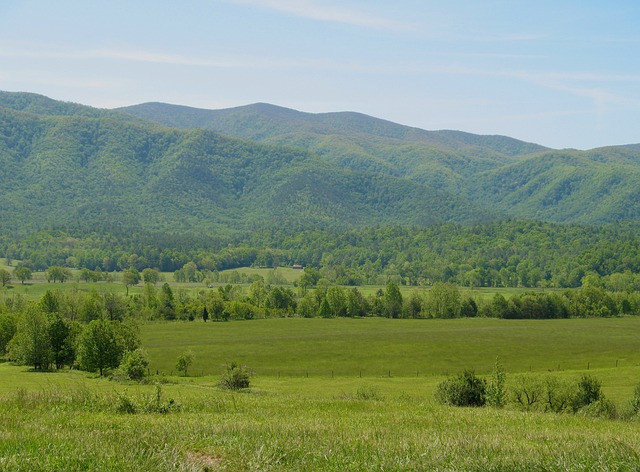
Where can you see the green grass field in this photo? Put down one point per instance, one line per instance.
(375, 346)
(298, 416)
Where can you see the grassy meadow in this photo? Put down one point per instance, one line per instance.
(322, 399)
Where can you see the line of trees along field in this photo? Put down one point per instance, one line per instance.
(96, 331)
(500, 254)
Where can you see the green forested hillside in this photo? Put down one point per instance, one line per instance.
(360, 197)
(597, 186)
(64, 165)
(519, 179)
(96, 170)
(440, 159)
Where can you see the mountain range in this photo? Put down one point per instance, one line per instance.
(164, 167)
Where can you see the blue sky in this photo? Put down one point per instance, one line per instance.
(558, 73)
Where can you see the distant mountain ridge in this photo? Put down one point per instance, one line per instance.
(514, 178)
(72, 166)
(173, 168)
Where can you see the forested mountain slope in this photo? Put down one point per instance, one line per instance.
(66, 165)
(519, 179)
(71, 166)
(597, 186)
(440, 159)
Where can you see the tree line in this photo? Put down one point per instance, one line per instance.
(499, 254)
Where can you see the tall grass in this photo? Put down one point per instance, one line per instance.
(298, 416)
(267, 429)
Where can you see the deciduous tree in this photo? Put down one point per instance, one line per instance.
(22, 273)
(31, 344)
(100, 346)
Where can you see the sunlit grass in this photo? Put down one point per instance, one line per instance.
(374, 347)
(296, 424)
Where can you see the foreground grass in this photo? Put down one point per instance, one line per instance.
(357, 425)
(298, 416)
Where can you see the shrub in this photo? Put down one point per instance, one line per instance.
(125, 404)
(601, 408)
(368, 393)
(235, 378)
(134, 365)
(154, 403)
(634, 403)
(559, 394)
(496, 395)
(527, 392)
(465, 389)
(589, 391)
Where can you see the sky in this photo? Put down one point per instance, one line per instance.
(561, 73)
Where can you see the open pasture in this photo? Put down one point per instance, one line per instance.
(288, 421)
(377, 347)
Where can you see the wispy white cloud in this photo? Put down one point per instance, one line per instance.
(324, 11)
(39, 52)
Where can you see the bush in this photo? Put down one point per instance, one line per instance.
(559, 394)
(134, 365)
(465, 389)
(527, 392)
(154, 403)
(634, 403)
(184, 361)
(496, 395)
(235, 378)
(602, 408)
(125, 404)
(368, 393)
(589, 391)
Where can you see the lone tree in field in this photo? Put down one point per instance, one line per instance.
(184, 362)
(5, 277)
(130, 277)
(22, 273)
(57, 273)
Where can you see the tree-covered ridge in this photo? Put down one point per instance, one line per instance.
(103, 172)
(594, 186)
(522, 180)
(440, 159)
(506, 254)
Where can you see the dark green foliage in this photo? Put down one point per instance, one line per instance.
(5, 277)
(465, 389)
(634, 403)
(22, 273)
(7, 330)
(62, 348)
(166, 303)
(589, 391)
(236, 377)
(58, 274)
(392, 300)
